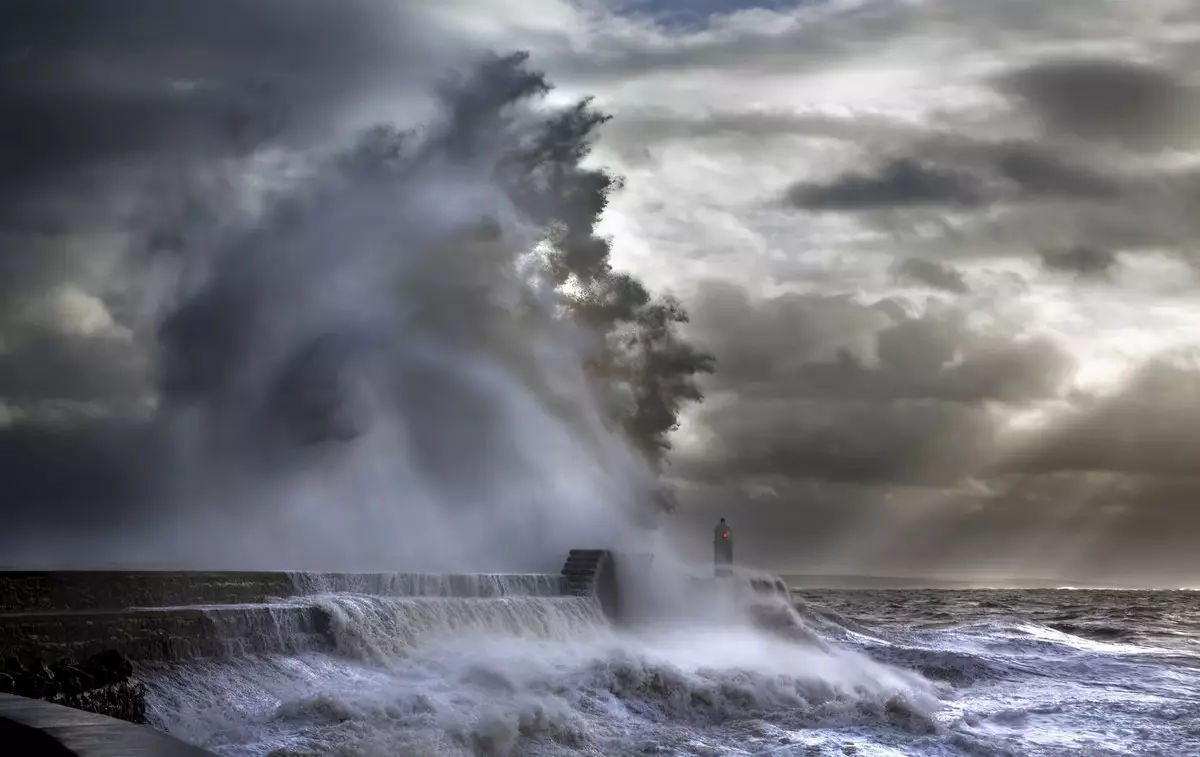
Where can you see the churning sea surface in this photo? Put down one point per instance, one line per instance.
(869, 673)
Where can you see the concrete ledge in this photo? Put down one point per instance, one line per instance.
(56, 731)
(31, 591)
(166, 616)
(164, 634)
(77, 590)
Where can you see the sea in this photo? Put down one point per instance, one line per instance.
(878, 673)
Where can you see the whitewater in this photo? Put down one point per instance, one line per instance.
(517, 670)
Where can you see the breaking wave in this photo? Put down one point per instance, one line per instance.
(742, 673)
(384, 628)
(430, 584)
(534, 675)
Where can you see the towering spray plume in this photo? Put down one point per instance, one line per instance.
(377, 367)
(411, 353)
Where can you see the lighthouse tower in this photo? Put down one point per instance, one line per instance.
(722, 549)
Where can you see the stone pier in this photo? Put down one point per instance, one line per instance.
(75, 637)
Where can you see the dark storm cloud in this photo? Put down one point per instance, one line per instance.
(900, 183)
(1138, 105)
(894, 442)
(93, 100)
(1083, 179)
(1081, 260)
(1085, 528)
(89, 474)
(1037, 172)
(105, 111)
(37, 364)
(828, 388)
(957, 173)
(109, 116)
(824, 411)
(968, 196)
(932, 274)
(82, 84)
(1148, 428)
(811, 346)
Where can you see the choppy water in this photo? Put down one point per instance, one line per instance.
(865, 673)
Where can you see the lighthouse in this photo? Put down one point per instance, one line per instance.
(722, 549)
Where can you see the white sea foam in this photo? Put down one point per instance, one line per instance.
(539, 675)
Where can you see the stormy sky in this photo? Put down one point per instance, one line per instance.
(944, 251)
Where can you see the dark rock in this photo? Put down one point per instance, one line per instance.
(102, 684)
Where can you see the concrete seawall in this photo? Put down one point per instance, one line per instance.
(33, 727)
(56, 625)
(56, 591)
(170, 616)
(76, 637)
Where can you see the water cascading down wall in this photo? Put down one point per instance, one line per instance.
(157, 617)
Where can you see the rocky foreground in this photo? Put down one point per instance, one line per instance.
(103, 684)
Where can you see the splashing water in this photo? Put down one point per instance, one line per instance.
(532, 676)
(431, 584)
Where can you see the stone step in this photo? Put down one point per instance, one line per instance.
(578, 566)
(165, 634)
(579, 572)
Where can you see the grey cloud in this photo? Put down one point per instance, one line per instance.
(109, 118)
(648, 125)
(1085, 528)
(823, 401)
(826, 388)
(957, 173)
(821, 39)
(901, 183)
(1037, 172)
(816, 36)
(37, 364)
(107, 113)
(905, 442)
(932, 274)
(1080, 529)
(1082, 260)
(81, 86)
(90, 474)
(1061, 188)
(817, 346)
(1148, 428)
(1014, 196)
(1138, 105)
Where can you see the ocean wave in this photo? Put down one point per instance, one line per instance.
(534, 676)
(382, 629)
(526, 698)
(954, 667)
